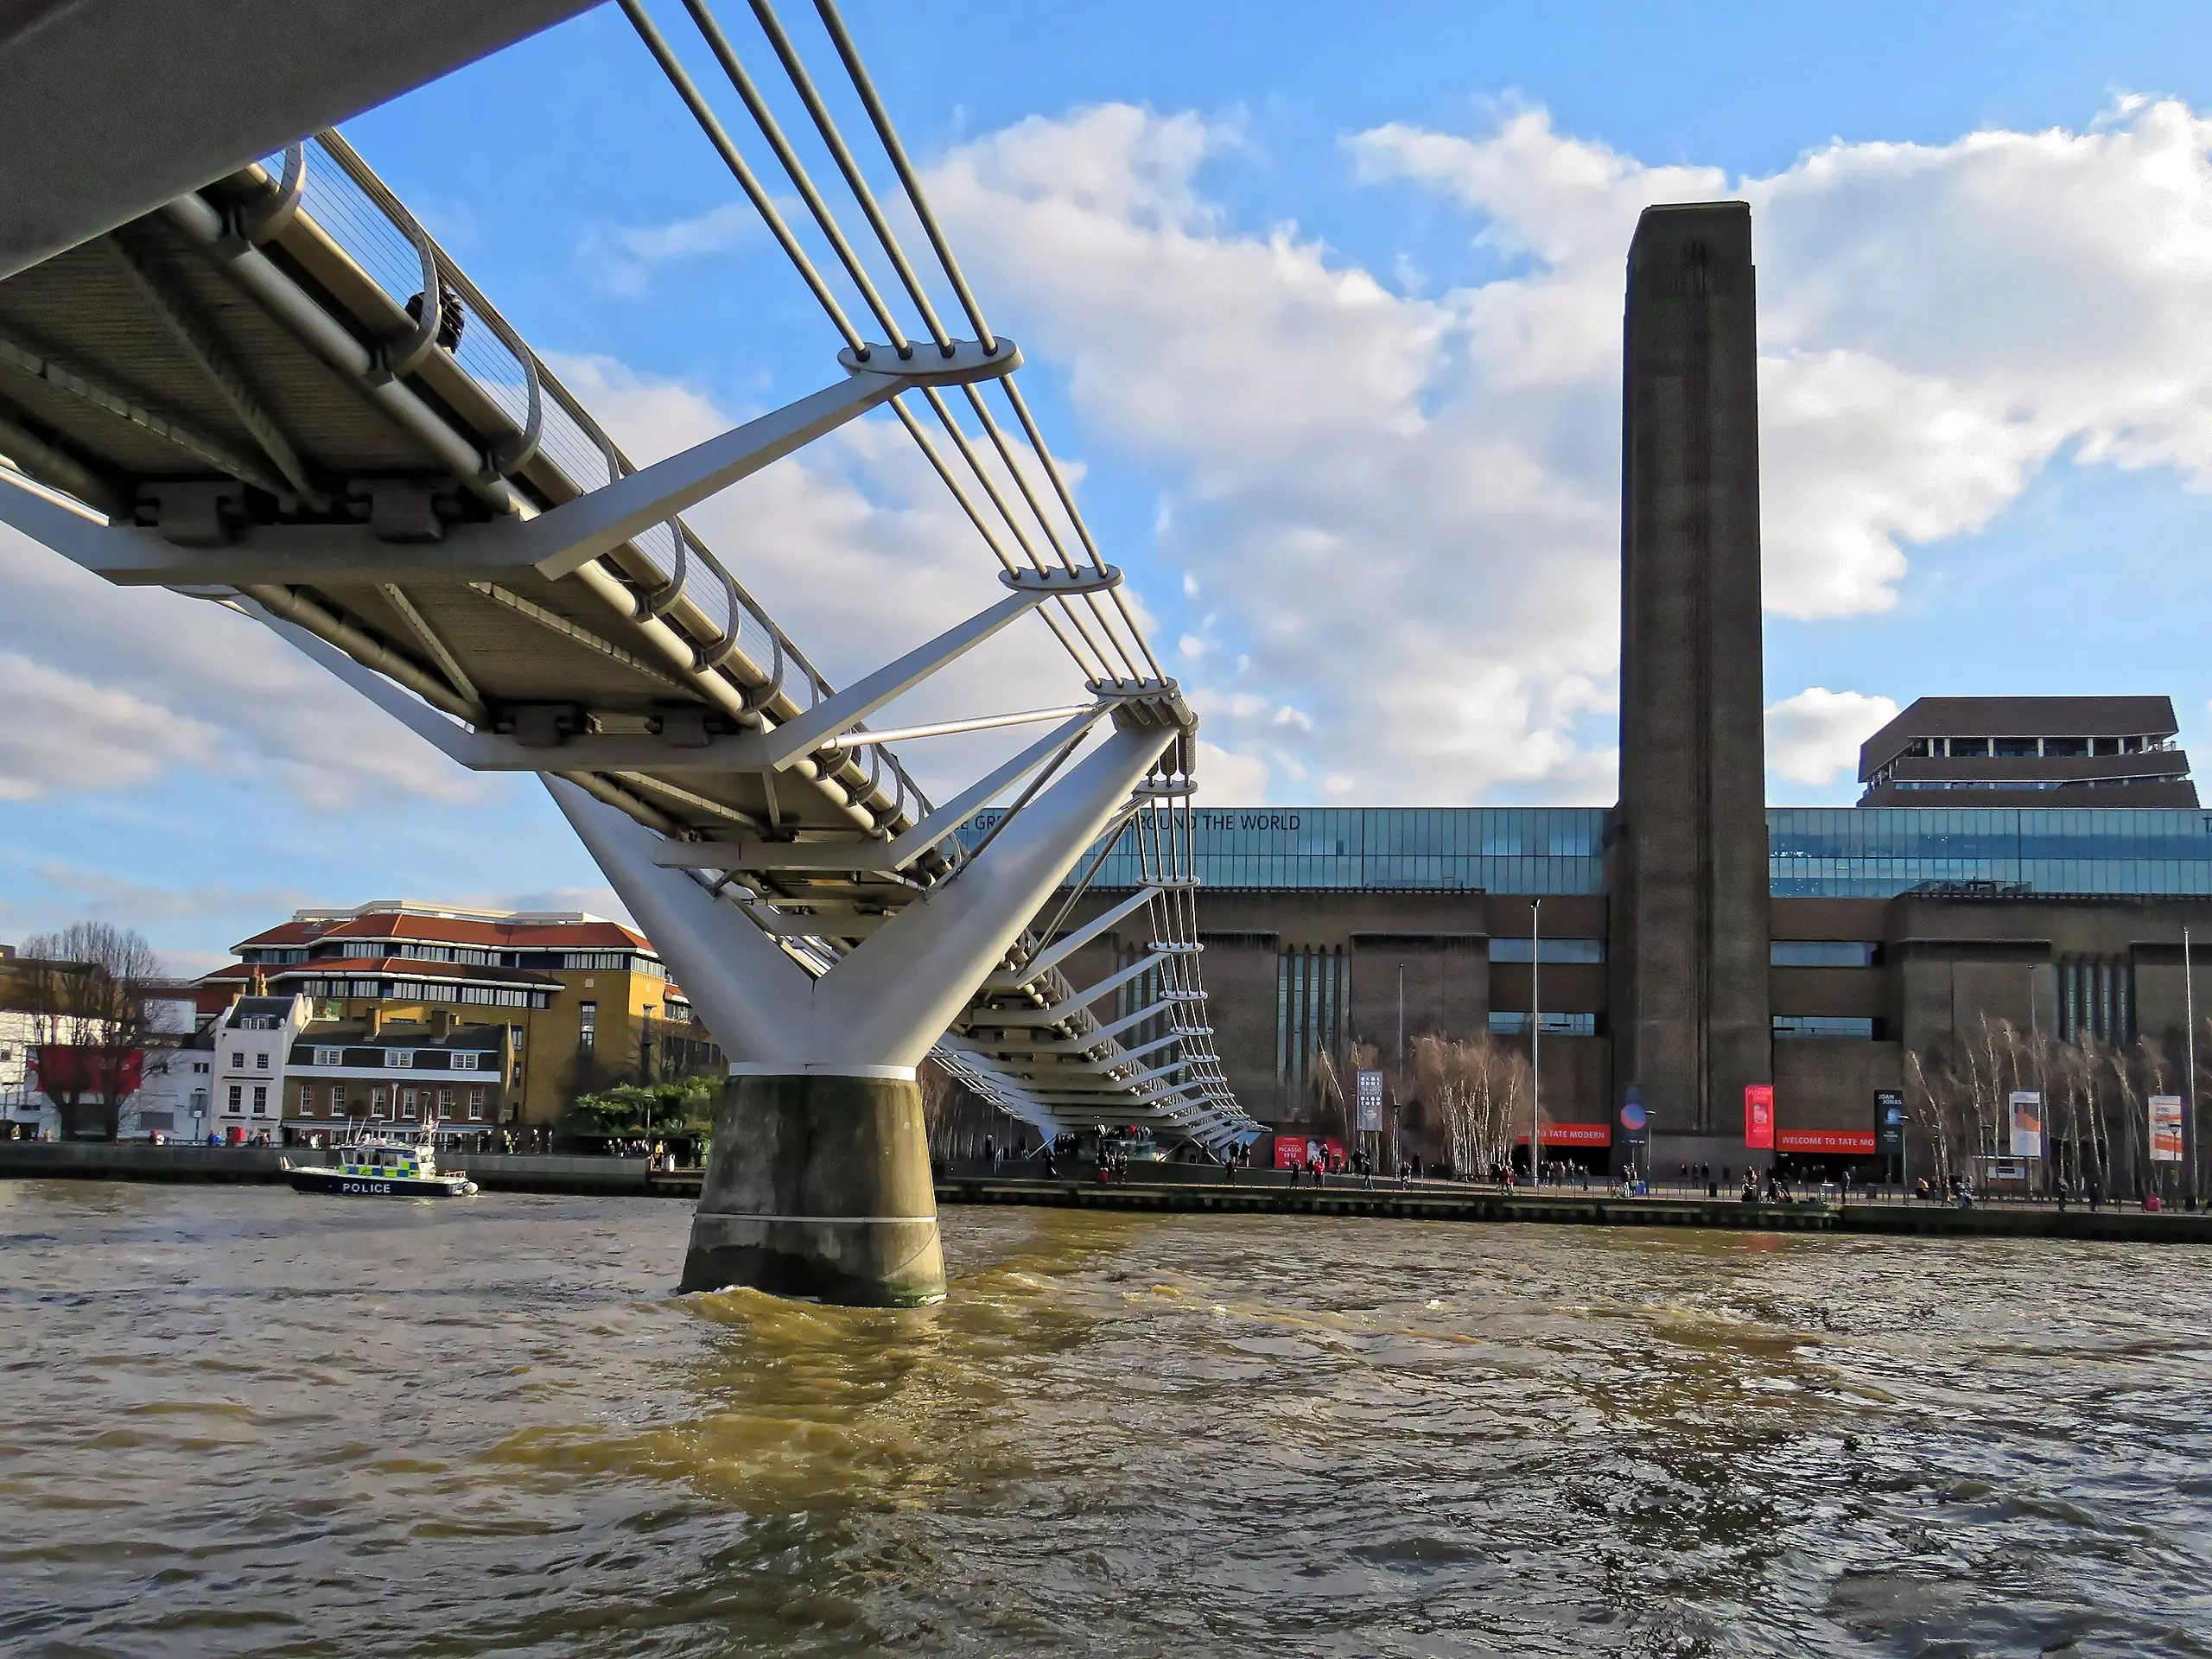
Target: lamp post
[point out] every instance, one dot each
(2189, 1117)
(1535, 1046)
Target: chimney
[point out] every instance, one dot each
(376, 1022)
(440, 1024)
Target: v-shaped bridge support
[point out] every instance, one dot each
(819, 1181)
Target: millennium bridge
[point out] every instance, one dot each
(234, 365)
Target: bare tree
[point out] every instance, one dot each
(87, 988)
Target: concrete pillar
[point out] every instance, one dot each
(819, 1186)
(1688, 853)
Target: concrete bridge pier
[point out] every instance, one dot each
(819, 1185)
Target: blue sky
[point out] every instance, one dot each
(1323, 304)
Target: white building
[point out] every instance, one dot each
(250, 1041)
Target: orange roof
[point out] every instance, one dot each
(455, 930)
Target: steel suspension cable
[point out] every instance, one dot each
(824, 123)
(889, 135)
(976, 517)
(960, 441)
(997, 435)
(719, 137)
(719, 43)
(918, 199)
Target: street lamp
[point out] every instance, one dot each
(1535, 1046)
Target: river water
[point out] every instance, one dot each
(252, 1421)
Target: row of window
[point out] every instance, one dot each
(401, 1059)
(1505, 1022)
(412, 990)
(337, 1102)
(1826, 1024)
(1980, 748)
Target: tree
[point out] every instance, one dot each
(86, 990)
(684, 1109)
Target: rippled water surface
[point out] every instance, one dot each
(254, 1421)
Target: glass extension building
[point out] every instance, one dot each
(1814, 852)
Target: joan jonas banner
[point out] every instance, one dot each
(2027, 1123)
(1759, 1116)
(2166, 1128)
(1371, 1103)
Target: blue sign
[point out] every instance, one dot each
(1632, 1117)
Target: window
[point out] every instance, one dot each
(588, 1025)
(330, 1057)
(476, 1105)
(410, 1106)
(1824, 953)
(338, 1100)
(199, 1066)
(307, 1100)
(1844, 1025)
(1505, 948)
(380, 1101)
(1515, 1023)
(238, 1097)
(514, 1038)
(465, 1062)
(1312, 996)
(238, 1059)
(2014, 748)
(261, 1100)
(445, 1102)
(261, 1062)
(399, 1058)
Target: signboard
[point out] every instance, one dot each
(2027, 1123)
(1632, 1117)
(1845, 1143)
(2165, 1130)
(1573, 1134)
(1371, 1103)
(1889, 1121)
(1759, 1116)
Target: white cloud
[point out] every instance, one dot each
(64, 733)
(1815, 734)
(1404, 507)
(137, 903)
(624, 257)
(117, 685)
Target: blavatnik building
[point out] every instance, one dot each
(2029, 859)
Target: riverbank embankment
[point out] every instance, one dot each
(494, 1172)
(1171, 1190)
(1445, 1201)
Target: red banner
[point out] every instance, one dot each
(1759, 1116)
(1573, 1134)
(1836, 1141)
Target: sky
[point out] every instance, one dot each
(1321, 307)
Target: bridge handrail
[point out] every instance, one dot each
(370, 225)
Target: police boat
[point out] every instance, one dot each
(389, 1165)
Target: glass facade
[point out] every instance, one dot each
(1825, 851)
(1845, 852)
(1541, 850)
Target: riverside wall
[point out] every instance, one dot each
(1173, 1190)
